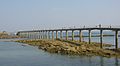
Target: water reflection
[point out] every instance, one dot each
(99, 61)
(116, 61)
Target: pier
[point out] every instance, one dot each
(58, 34)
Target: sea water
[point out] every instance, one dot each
(15, 54)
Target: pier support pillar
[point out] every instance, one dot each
(52, 35)
(27, 34)
(44, 34)
(72, 35)
(101, 38)
(80, 35)
(41, 34)
(56, 34)
(66, 35)
(32, 35)
(61, 34)
(24, 35)
(38, 37)
(116, 39)
(48, 34)
(35, 35)
(89, 36)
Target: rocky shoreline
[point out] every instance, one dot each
(72, 47)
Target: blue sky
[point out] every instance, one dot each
(18, 15)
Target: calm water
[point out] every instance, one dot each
(14, 54)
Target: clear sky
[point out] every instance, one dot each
(18, 15)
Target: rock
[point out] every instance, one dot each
(68, 48)
(83, 48)
(90, 49)
(77, 48)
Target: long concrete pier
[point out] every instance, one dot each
(50, 34)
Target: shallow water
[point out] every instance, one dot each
(14, 54)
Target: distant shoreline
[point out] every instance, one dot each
(5, 35)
